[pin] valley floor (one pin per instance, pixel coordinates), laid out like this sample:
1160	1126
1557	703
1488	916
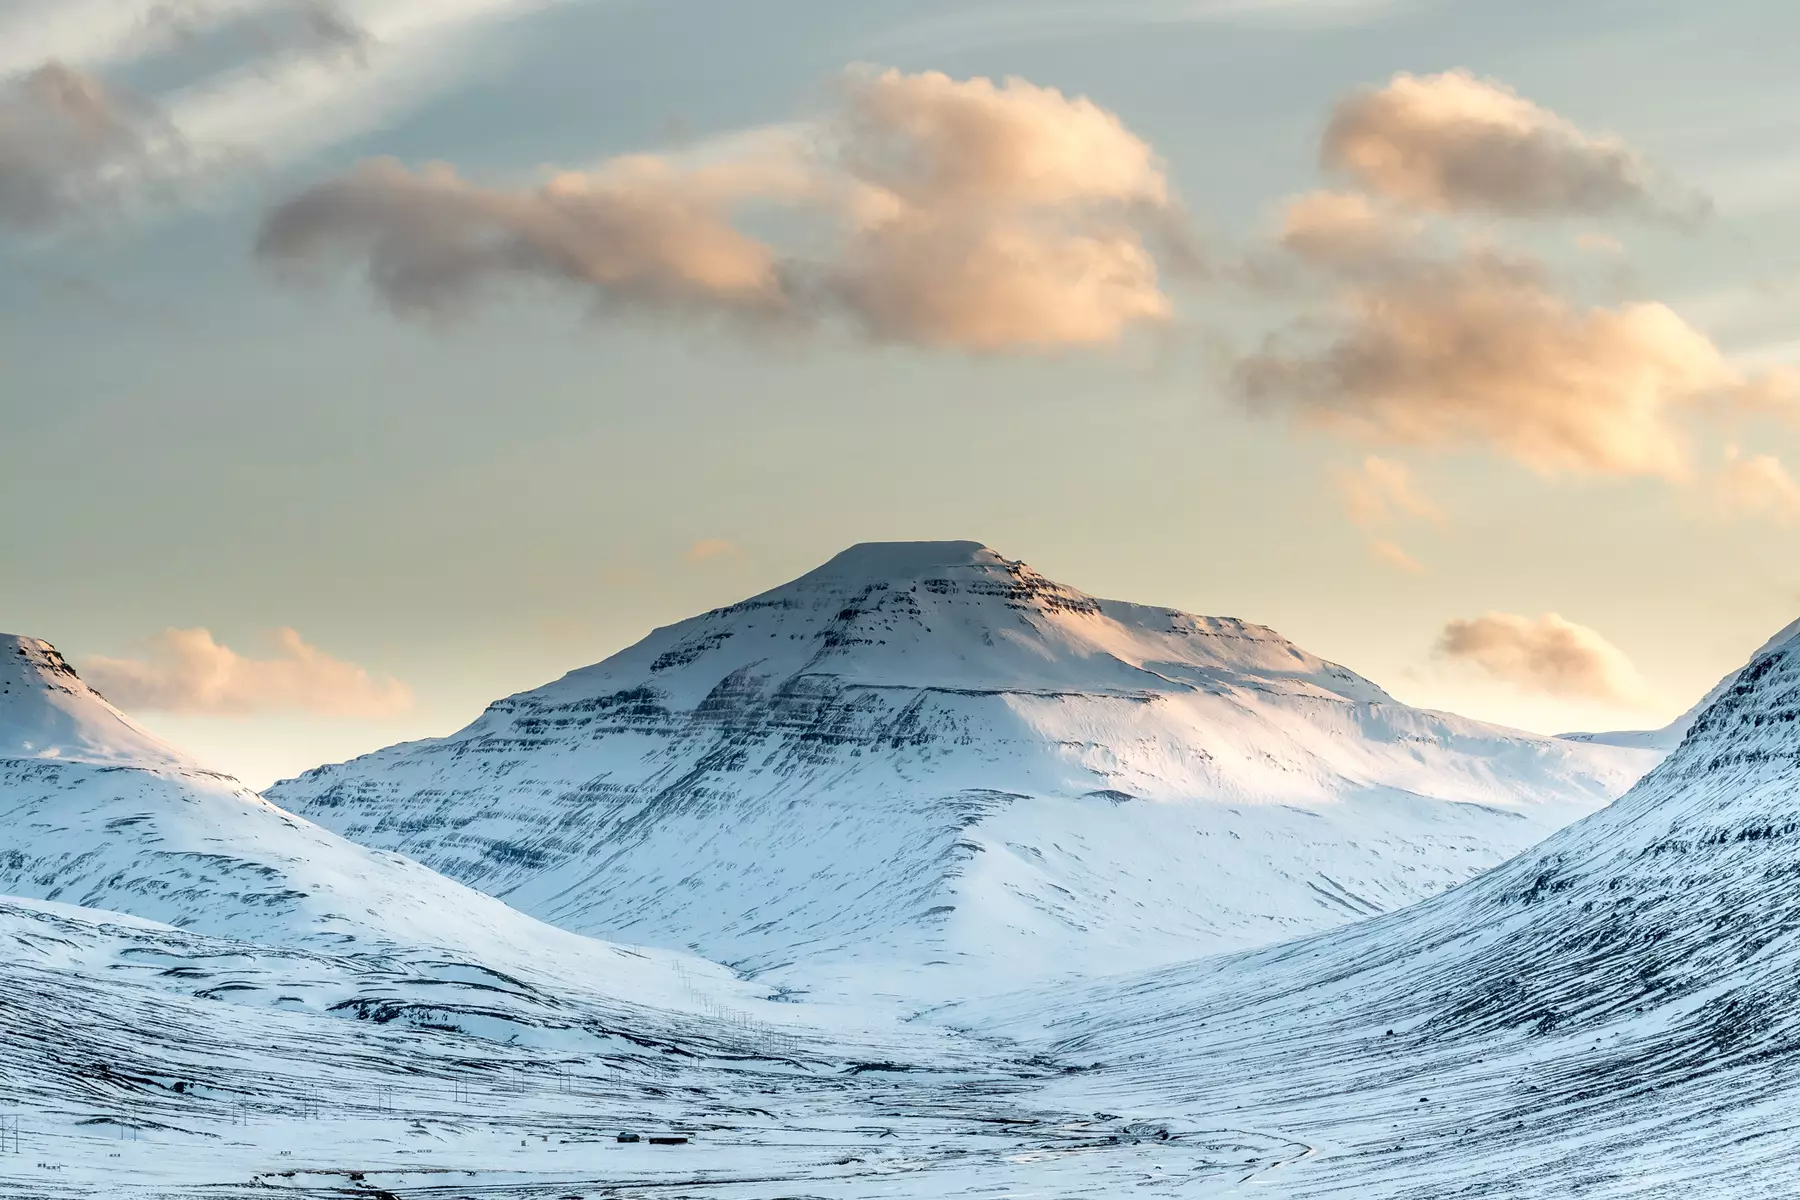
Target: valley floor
114	1092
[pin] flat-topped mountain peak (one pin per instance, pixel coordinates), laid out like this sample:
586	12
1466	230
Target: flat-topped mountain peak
928	753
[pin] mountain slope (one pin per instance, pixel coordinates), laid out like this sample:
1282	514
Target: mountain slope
925	755
1669	736
1609	1013
98	813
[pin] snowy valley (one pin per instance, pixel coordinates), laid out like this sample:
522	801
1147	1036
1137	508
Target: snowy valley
923	802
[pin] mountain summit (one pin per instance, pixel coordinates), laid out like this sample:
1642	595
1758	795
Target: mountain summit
929	762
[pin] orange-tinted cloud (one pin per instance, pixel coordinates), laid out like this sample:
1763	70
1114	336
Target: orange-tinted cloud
1344	230
1379	488
1455	143
1757	486
1548	655
967	214
1003	215
188	672
1480	351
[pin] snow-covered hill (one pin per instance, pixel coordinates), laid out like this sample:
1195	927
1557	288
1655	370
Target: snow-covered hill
96	812
1612	1013
932	768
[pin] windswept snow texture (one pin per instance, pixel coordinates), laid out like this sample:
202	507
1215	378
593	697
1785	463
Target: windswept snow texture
96	812
140	1062
923	768
1612	1013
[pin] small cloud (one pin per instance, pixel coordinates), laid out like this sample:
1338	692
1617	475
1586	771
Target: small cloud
1756	486
1380	488
1453	143
1549	655
188	672
1343	229
708	548
1392	555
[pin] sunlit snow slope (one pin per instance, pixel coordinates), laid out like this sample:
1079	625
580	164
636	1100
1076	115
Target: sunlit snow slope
925	755
95	811
1611	1013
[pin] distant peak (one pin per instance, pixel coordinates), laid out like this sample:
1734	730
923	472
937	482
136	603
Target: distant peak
46	711
901	560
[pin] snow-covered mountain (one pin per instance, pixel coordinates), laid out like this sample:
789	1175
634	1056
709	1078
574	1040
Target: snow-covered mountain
1611	1013
1669	736
935	769
96	811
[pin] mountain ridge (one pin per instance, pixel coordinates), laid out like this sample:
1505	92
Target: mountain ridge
933	756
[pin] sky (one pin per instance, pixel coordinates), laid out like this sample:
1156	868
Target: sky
364	362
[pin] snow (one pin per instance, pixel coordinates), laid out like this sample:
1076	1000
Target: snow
47	712
104	816
1607	1014
923	770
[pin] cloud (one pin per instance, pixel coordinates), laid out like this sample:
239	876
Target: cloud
263	82
1455	143
967	214
1549	655
306	103
1344	230
188	672
1376	491
1002	215
1479	350
641	231
707	548
71	149
1378	488
1756	486
1383	551
266	28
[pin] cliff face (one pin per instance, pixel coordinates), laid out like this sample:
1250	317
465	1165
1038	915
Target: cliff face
928	762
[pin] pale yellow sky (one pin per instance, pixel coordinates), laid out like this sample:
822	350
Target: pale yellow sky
463	477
